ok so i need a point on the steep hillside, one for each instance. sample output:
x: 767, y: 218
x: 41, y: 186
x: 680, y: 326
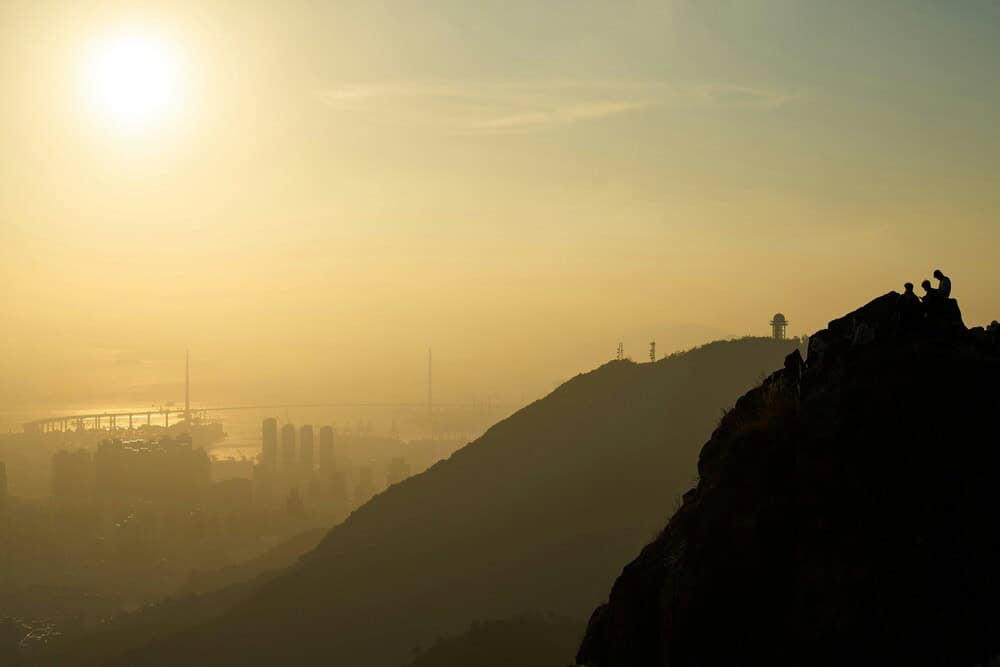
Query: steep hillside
x: 276, y: 558
x: 536, y: 515
x: 529, y: 640
x: 846, y: 514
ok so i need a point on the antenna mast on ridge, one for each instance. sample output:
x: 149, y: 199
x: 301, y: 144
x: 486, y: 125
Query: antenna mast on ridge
x: 187, y: 386
x: 430, y: 395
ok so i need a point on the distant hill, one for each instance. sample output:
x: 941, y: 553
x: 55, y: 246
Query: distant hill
x: 278, y: 557
x: 536, y: 515
x: 528, y: 640
x: 846, y: 514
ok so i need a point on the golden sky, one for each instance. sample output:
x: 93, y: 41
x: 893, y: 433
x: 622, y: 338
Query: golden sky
x: 328, y: 189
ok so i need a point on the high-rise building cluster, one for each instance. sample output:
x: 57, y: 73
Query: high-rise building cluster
x: 298, y: 452
x: 73, y: 475
x: 295, y: 471
x: 3, y: 489
x: 291, y: 467
x: 164, y: 472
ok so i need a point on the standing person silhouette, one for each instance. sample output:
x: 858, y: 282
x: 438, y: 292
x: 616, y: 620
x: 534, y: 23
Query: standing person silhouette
x: 944, y: 285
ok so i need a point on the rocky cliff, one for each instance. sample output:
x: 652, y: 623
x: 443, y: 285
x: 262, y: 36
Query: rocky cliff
x: 846, y: 514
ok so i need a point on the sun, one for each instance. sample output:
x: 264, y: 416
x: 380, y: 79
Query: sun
x: 133, y: 79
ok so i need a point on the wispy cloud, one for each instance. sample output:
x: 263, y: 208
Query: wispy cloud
x: 718, y: 95
x: 553, y: 115
x: 498, y: 108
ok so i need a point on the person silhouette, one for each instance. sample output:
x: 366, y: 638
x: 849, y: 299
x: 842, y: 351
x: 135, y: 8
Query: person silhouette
x: 944, y: 285
x: 993, y: 332
x: 908, y: 306
x: 931, y: 296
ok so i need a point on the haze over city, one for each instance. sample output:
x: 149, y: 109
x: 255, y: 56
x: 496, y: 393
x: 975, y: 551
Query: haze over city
x: 632, y: 333
x: 328, y: 190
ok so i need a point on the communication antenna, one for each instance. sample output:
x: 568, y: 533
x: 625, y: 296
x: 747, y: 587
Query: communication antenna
x: 621, y: 352
x: 652, y: 350
x: 430, y: 395
x: 187, y: 387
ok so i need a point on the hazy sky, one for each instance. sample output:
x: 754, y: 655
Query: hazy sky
x: 520, y: 185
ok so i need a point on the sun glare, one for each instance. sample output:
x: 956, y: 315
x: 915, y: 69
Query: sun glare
x: 133, y: 79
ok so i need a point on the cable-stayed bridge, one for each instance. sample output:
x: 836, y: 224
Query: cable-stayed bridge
x: 164, y: 415
x: 118, y: 419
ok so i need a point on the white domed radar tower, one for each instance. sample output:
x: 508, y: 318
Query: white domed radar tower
x: 779, y: 327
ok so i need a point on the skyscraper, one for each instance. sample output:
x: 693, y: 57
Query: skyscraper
x: 306, y: 451
x: 269, y: 453
x: 72, y: 475
x: 187, y: 388
x: 326, y: 448
x: 288, y: 446
x: 3, y: 498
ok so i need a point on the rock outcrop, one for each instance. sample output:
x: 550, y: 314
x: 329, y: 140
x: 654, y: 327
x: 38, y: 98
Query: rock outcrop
x: 846, y: 514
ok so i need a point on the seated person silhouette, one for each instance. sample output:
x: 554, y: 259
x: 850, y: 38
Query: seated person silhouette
x: 908, y: 307
x: 941, y: 313
x: 931, y: 297
x: 944, y: 285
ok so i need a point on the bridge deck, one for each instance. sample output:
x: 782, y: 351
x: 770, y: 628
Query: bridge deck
x: 165, y: 413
